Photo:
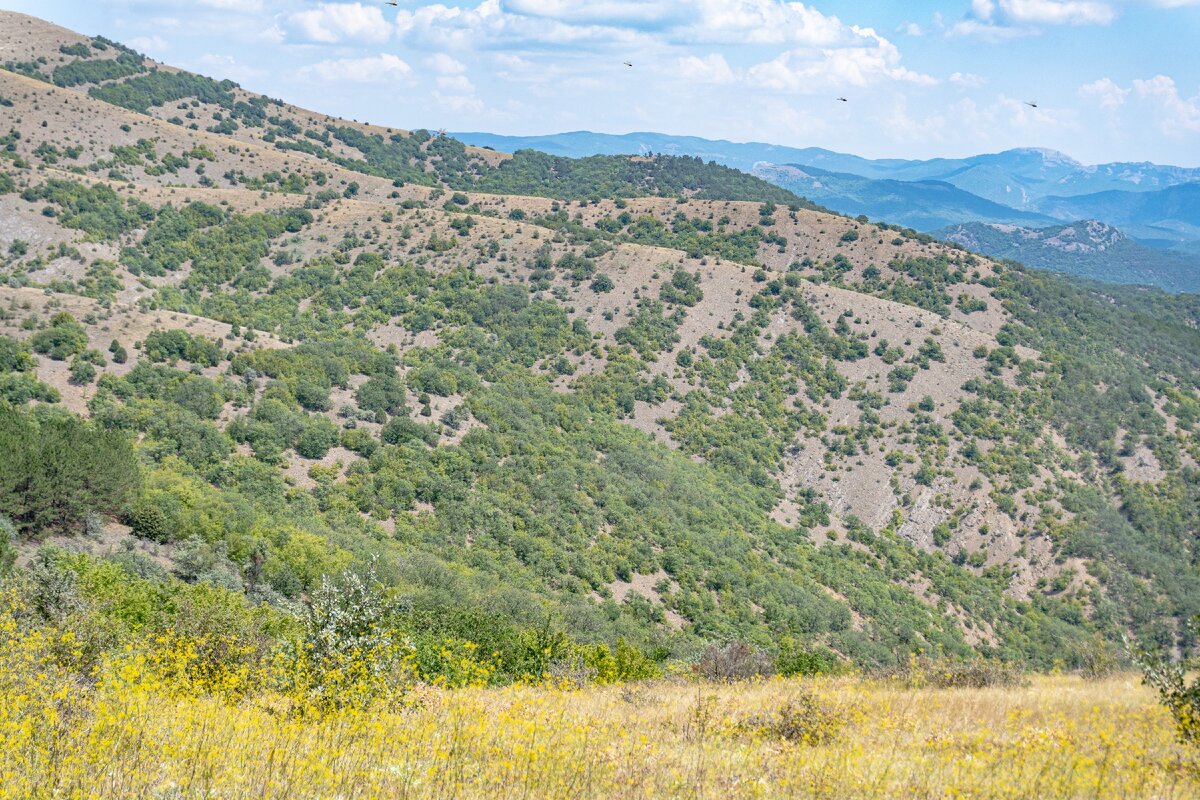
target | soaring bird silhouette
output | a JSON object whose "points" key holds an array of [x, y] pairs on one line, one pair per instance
{"points": [[1031, 104], [844, 100], [628, 64], [389, 2]]}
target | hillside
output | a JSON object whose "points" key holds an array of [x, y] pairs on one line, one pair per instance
{"points": [[1088, 249], [622, 402], [1028, 188], [1012, 178], [1038, 172], [581, 144]]}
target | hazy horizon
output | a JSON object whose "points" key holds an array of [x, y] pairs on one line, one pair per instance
{"points": [[1113, 80]]}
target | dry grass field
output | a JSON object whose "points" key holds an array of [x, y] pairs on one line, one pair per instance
{"points": [[134, 733]]}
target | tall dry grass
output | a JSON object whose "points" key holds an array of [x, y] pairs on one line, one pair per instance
{"points": [[134, 733]]}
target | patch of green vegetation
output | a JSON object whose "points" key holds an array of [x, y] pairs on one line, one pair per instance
{"points": [[221, 247], [96, 210], [532, 172], [96, 71], [158, 88], [59, 468]]}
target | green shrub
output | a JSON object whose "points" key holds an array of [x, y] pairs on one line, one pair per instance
{"points": [[64, 338], [14, 355], [794, 659], [170, 345], [148, 521], [8, 546], [601, 283], [82, 372], [1178, 691]]}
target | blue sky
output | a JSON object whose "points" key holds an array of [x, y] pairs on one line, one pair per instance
{"points": [[1114, 80]]}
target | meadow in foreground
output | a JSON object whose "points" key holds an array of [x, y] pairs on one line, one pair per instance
{"points": [[134, 733]]}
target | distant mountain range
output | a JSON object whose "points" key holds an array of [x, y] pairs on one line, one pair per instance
{"points": [[1013, 177], [924, 205], [1168, 215], [1089, 249], [1154, 207]]}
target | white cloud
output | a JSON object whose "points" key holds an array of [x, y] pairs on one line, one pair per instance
{"points": [[330, 23], [444, 64], [1175, 115], [713, 68], [675, 21], [911, 29], [653, 22], [987, 30], [245, 6], [967, 80], [997, 20], [383, 68], [460, 84], [491, 24], [764, 22], [219, 66], [458, 103], [607, 12], [1105, 92], [1057, 12], [815, 70], [1004, 122], [151, 45]]}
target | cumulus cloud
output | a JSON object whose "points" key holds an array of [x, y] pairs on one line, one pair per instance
{"points": [[245, 6], [967, 80], [1003, 19], [763, 22], [458, 103], [673, 21], [712, 68], [459, 84], [444, 64], [607, 12], [222, 66], [821, 49], [491, 24], [382, 68], [1057, 12], [1001, 122], [149, 44], [330, 23], [814, 70], [679, 22], [1176, 116], [1105, 92]]}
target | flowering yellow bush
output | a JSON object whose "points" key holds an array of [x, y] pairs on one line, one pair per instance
{"points": [[151, 723]]}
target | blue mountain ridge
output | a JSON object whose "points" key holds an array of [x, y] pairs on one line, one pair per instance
{"points": [[1023, 194]]}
